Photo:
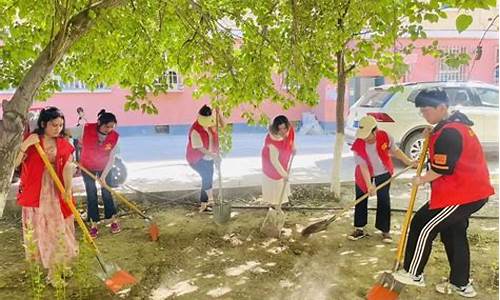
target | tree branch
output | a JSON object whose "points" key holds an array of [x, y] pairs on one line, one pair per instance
{"points": [[77, 26], [348, 70]]}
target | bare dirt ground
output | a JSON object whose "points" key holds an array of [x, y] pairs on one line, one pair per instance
{"points": [[198, 259]]}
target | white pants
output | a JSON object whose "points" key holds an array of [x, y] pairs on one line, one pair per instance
{"points": [[272, 189]]}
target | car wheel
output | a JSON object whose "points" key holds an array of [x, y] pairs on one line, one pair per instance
{"points": [[413, 145]]}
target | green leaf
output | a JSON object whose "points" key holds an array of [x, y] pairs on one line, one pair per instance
{"points": [[463, 22], [433, 18]]}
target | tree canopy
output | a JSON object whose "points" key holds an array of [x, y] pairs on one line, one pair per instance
{"points": [[230, 50]]}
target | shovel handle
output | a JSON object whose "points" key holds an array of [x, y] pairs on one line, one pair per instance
{"points": [[62, 190], [411, 204], [116, 194], [219, 174], [285, 182]]}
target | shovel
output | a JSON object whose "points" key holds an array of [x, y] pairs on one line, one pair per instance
{"points": [[116, 280], [154, 230], [275, 218], [222, 209], [323, 224], [387, 288]]}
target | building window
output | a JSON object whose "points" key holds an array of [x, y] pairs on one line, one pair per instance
{"points": [[77, 85], [447, 73], [172, 80], [164, 129]]}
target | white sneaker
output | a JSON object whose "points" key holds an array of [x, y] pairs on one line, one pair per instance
{"points": [[446, 287], [409, 279]]}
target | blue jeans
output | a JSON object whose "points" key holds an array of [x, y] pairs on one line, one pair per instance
{"points": [[107, 199], [206, 170]]}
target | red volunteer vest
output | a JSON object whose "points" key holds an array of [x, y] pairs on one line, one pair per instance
{"points": [[95, 156], [285, 149], [32, 171], [382, 145], [194, 155], [470, 180]]}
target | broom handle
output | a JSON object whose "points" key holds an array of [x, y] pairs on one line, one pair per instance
{"points": [[411, 204], [69, 202], [116, 194], [378, 187]]}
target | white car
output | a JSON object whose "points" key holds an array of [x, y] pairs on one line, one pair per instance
{"points": [[396, 113]]}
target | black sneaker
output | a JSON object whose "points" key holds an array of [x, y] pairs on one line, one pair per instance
{"points": [[356, 235]]}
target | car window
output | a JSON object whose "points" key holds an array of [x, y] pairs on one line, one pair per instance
{"points": [[459, 97], [375, 98], [488, 97]]}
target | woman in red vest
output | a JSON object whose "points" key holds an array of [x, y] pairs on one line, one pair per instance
{"points": [[460, 186], [98, 154], [48, 223], [202, 151], [372, 149], [279, 146]]}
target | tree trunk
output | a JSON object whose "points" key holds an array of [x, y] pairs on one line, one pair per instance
{"points": [[339, 137], [15, 111]]}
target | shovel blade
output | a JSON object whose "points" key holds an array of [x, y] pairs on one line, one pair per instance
{"points": [[386, 288], [154, 232], [274, 222], [120, 280]]}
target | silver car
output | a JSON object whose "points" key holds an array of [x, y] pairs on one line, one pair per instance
{"points": [[396, 113]]}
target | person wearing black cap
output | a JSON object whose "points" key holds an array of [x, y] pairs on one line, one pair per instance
{"points": [[202, 151], [460, 186]]}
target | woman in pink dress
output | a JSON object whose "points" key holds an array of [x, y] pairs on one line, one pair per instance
{"points": [[48, 223]]}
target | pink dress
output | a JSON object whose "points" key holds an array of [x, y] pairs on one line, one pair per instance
{"points": [[53, 236]]}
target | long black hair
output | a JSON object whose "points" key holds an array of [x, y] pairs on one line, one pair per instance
{"points": [[104, 117], [46, 115], [279, 120]]}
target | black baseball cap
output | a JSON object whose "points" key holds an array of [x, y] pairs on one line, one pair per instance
{"points": [[431, 97]]}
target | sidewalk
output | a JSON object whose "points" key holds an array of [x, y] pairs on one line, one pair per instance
{"points": [[156, 164]]}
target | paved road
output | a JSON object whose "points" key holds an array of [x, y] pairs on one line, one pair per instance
{"points": [[157, 163]]}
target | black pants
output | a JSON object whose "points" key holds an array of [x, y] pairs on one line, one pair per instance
{"points": [[107, 199], [451, 222], [383, 217], [206, 170]]}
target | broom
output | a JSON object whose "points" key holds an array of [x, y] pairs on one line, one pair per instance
{"points": [[387, 288], [115, 279], [154, 230], [323, 224]]}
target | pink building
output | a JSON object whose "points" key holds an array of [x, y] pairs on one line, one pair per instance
{"points": [[178, 109]]}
